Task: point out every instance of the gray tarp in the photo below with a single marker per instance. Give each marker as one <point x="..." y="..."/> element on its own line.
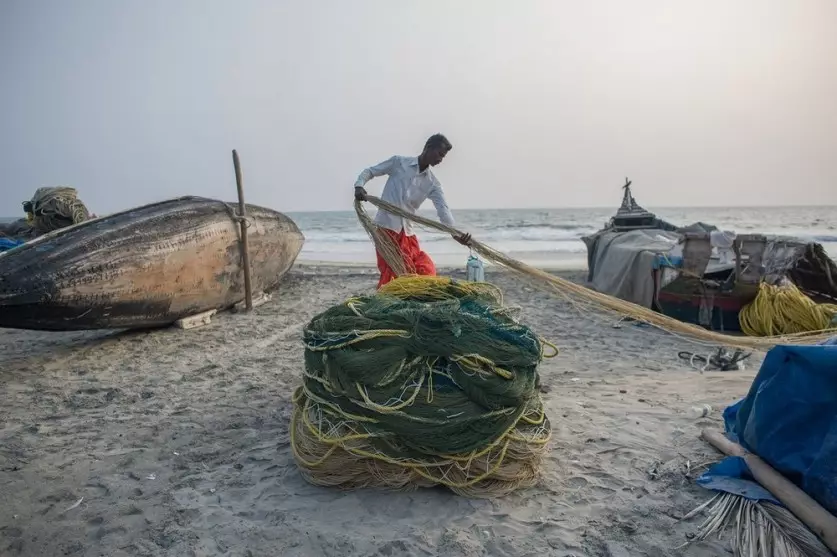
<point x="698" y="227"/>
<point x="19" y="229"/>
<point x="621" y="263"/>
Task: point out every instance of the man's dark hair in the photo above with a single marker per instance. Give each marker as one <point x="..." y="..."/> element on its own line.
<point x="438" y="141"/>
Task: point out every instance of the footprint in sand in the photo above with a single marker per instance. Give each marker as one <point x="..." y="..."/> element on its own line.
<point x="577" y="482"/>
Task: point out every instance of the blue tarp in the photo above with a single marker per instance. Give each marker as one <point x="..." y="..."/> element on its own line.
<point x="8" y="243"/>
<point x="789" y="419"/>
<point x="665" y="260"/>
<point x="733" y="476"/>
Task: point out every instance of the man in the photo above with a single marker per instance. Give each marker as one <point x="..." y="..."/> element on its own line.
<point x="410" y="183"/>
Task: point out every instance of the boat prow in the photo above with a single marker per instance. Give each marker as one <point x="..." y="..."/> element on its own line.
<point x="145" y="267"/>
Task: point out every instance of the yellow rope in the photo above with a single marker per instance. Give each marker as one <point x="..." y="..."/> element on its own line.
<point x="409" y="286"/>
<point x="368" y="335"/>
<point x="782" y="310"/>
<point x="302" y="411"/>
<point x="576" y="292"/>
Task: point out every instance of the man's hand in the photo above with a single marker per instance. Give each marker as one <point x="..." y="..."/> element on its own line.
<point x="360" y="194"/>
<point x="464" y="239"/>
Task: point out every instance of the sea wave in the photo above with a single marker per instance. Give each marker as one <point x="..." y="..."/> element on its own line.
<point x="539" y="234"/>
<point x="531" y="234"/>
<point x="585" y="228"/>
<point x="448" y="247"/>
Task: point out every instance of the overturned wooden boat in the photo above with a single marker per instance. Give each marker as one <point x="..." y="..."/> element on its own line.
<point x="145" y="267"/>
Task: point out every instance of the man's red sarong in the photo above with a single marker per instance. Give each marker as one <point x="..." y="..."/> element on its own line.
<point x="416" y="261"/>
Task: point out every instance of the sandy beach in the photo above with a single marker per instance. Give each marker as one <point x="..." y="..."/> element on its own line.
<point x="175" y="443"/>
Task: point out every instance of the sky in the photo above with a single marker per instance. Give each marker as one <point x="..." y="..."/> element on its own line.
<point x="548" y="103"/>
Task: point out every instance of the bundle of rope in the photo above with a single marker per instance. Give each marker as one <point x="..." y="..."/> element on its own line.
<point x="585" y="299"/>
<point x="428" y="382"/>
<point x="784" y="309"/>
<point x="56" y="208"/>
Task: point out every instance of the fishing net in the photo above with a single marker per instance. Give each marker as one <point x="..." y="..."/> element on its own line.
<point x="428" y="382"/>
<point x="56" y="208"/>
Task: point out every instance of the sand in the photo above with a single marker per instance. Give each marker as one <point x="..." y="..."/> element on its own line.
<point x="175" y="443"/>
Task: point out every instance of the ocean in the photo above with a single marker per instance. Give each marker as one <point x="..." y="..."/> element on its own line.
<point x="549" y="237"/>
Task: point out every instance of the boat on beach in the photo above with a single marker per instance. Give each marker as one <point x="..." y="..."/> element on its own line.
<point x="697" y="273"/>
<point x="145" y="267"/>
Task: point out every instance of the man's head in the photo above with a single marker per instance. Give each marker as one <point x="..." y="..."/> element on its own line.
<point x="435" y="149"/>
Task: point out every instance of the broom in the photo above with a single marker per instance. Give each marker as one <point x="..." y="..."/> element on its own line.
<point x="758" y="528"/>
<point x="761" y="528"/>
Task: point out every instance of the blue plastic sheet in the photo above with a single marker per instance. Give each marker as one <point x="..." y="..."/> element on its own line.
<point x="789" y="419"/>
<point x="733" y="476"/>
<point x="665" y="260"/>
<point x="8" y="243"/>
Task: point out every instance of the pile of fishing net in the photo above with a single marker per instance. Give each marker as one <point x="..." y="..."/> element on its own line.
<point x="428" y="382"/>
<point x="49" y="209"/>
<point x="56" y="208"/>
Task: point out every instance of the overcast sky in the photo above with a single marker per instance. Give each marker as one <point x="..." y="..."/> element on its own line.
<point x="548" y="103"/>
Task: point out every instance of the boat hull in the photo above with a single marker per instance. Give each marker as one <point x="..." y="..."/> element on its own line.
<point x="691" y="300"/>
<point x="721" y="315"/>
<point x="146" y="267"/>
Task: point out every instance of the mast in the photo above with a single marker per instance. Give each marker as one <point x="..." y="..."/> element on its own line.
<point x="630" y="214"/>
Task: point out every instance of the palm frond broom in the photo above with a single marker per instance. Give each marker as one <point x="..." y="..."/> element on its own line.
<point x="762" y="528"/>
<point x="758" y="528"/>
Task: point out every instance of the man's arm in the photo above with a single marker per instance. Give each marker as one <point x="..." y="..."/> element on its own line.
<point x="437" y="196"/>
<point x="372" y="172"/>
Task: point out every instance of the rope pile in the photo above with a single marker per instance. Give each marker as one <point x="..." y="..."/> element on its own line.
<point x="56" y="208"/>
<point x="428" y="382"/>
<point x="583" y="298"/>
<point x="783" y="310"/>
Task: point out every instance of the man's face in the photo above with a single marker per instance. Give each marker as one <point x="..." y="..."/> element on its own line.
<point x="435" y="156"/>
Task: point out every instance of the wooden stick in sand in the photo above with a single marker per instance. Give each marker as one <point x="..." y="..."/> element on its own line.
<point x="820" y="521"/>
<point x="245" y="250"/>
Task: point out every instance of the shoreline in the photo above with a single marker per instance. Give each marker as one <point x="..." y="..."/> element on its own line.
<point x="570" y="267"/>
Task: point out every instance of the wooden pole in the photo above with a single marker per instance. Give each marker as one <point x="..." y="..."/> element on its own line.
<point x="819" y="520"/>
<point x="245" y="250"/>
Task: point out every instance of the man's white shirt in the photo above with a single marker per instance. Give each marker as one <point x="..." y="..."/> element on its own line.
<point x="406" y="188"/>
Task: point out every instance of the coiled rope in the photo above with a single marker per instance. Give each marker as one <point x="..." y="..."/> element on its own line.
<point x="783" y="310"/>
<point x="585" y="298"/>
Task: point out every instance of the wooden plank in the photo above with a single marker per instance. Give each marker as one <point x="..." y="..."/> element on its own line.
<point x="259" y="300"/>
<point x="815" y="517"/>
<point x="195" y="321"/>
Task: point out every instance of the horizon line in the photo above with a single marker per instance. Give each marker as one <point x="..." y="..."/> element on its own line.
<point x="651" y="208"/>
